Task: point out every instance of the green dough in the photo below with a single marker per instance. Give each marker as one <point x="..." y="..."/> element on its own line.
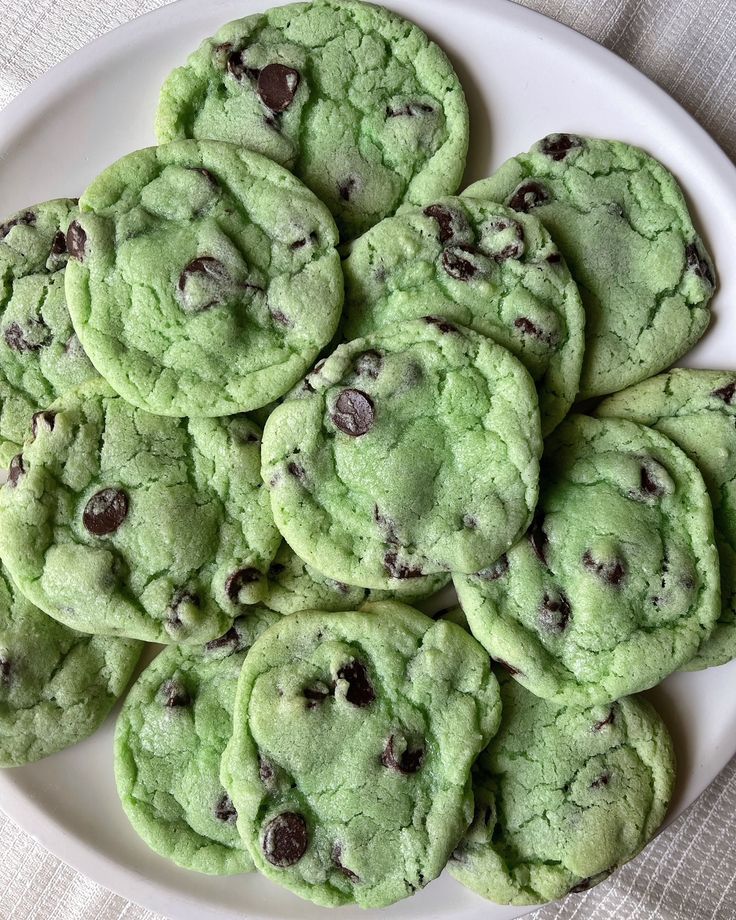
<point x="118" y="522"/>
<point x="40" y="356"/>
<point x="353" y="739"/>
<point x="203" y="279"/>
<point x="563" y="796"/>
<point x="293" y="585"/>
<point x="354" y="99"/>
<point x="616" y="583"/>
<point x="56" y="684"/>
<point x="409" y="452"/>
<point x="697" y="410"/>
<point x="482" y="265"/>
<point x="169" y="738"/>
<point x="622" y="224"/>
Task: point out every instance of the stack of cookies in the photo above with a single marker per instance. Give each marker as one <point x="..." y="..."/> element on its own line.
<point x="410" y="363"/>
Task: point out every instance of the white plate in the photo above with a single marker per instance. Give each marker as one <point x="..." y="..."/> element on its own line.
<point x="525" y="76"/>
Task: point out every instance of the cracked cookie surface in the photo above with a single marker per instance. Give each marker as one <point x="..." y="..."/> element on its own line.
<point x="353" y="739"/>
<point x="406" y="453"/>
<point x="294" y="585"/>
<point x="203" y="279"/>
<point x="125" y="523"/>
<point x="616" y="583"/>
<point x="169" y="738"/>
<point x="40" y="355"/>
<point x="354" y="99"/>
<point x="697" y="410"/>
<point x="623" y="226"/>
<point x="563" y="796"/>
<point x="485" y="266"/>
<point x="57" y="685"/>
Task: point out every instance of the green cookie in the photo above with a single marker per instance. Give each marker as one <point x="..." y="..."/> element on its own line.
<point x="357" y="101"/>
<point x="40" y="356"/>
<point x="56" y="685"/>
<point x="169" y="738"/>
<point x="118" y="522"/>
<point x="409" y="452"/>
<point x="353" y="739"/>
<point x="616" y="583"/>
<point x="622" y="224"/>
<point x="563" y="796"/>
<point x="203" y="279"/>
<point x="697" y="410"/>
<point x="482" y="265"/>
<point x="293" y="585"/>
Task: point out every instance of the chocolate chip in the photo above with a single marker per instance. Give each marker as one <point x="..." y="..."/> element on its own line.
<point x="698" y="263"/>
<point x="346" y="188"/>
<point x="76" y="240"/>
<point x="213" y="272"/>
<point x="601" y="781"/>
<point x="236" y="65"/>
<point x="499" y="568"/>
<point x="277" y="85"/>
<point x="360" y="690"/>
<point x="369" y="364"/>
<point x="231" y="640"/>
<point x="557" y="146"/>
<point x="337" y="860"/>
<point x="456" y="263"/>
<point x="317" y="694"/>
<point x="33" y="338"/>
<point x="649" y="485"/>
<point x="554" y="614"/>
<point x="442" y="324"/>
<point x="297" y="471"/>
<point x="265" y="771"/>
<point x="353" y="413"/>
<point x="225" y="810"/>
<point x="409" y="110"/>
<point x="727" y="393"/>
<point x="408" y="762"/>
<point x="181" y="598"/>
<point x="396" y="568"/>
<point x="554" y="258"/>
<point x="6" y="669"/>
<point x="528" y="195"/>
<point x="387" y="526"/>
<point x="504" y="227"/>
<point x="537" y="536"/>
<point x="285" y="839"/>
<point x="299" y="244"/>
<point x="105" y="511"/>
<point x="58" y="244"/>
<point x="611" y="572"/>
<point x="452" y="222"/>
<point x="509" y="668"/>
<point x="44" y="420"/>
<point x="276" y="569"/>
<point x="175" y="695"/>
<point x="16" y="470"/>
<point x="526" y="326"/>
<point x="238" y="580"/>
<point x="609" y="720"/>
<point x="28" y="218"/>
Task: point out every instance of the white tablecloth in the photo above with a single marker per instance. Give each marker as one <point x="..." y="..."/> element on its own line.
<point x="689" y="47"/>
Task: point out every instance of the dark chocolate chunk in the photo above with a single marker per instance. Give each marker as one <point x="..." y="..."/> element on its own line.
<point x="396" y="568"/>
<point x="16" y="470"/>
<point x="76" y="241"/>
<point x="727" y="393"/>
<point x="175" y="694"/>
<point x="225" y="810"/>
<point x="408" y="762"/>
<point x="554" y="614"/>
<point x="360" y="690"/>
<point x="42" y="420"/>
<point x="277" y="85"/>
<point x="35" y="335"/>
<point x="105" y="511"/>
<point x="557" y="146"/>
<point x="369" y="364"/>
<point x="285" y="839"/>
<point x="337" y="860"/>
<point x="528" y="195"/>
<point x="611" y="572"/>
<point x="442" y="324"/>
<point x="698" y="263"/>
<point x="238" y="580"/>
<point x="499" y="568"/>
<point x="353" y="412"/>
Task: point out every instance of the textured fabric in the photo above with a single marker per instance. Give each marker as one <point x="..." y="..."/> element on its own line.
<point x="689" y="48"/>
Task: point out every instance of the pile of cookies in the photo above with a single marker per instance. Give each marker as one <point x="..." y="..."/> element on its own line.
<point x="411" y="364"/>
